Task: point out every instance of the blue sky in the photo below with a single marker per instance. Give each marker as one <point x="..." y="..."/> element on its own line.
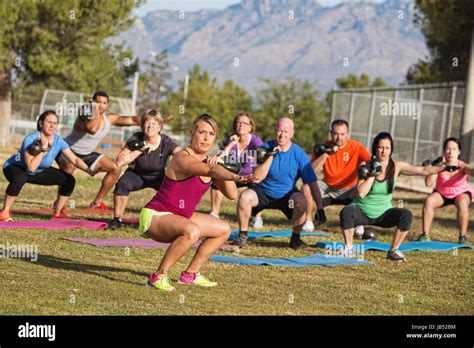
<point x="189" y="5"/>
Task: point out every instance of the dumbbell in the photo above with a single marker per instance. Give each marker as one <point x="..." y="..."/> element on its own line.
<point x="263" y="153"/>
<point x="35" y="148"/>
<point x="86" y="112"/>
<point x="133" y="145"/>
<point x="320" y="149"/>
<point x="371" y="168"/>
<point x="228" y="163"/>
<point x="436" y="162"/>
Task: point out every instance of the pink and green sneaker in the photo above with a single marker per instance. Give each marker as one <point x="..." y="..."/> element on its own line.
<point x="160" y="281"/>
<point x="195" y="279"/>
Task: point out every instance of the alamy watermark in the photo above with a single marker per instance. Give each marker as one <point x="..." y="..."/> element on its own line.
<point x="19" y="251"/>
<point x="401" y="109"/>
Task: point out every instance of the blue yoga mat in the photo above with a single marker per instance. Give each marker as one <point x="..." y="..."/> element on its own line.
<point x="305" y="261"/>
<point x="374" y="245"/>
<point x="275" y="234"/>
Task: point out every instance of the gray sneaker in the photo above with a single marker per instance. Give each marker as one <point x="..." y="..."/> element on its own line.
<point x="241" y="239"/>
<point x="462" y="239"/>
<point x="396" y="255"/>
<point x="423" y="238"/>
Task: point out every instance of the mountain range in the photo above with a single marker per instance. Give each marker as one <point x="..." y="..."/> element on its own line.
<point x="279" y="38"/>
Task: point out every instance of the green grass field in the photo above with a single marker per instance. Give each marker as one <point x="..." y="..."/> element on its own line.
<point x="77" y="279"/>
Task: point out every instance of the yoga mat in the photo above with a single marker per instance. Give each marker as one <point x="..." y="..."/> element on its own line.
<point x="134" y="242"/>
<point x="275" y="234"/>
<point x="305" y="261"/>
<point x="56" y="224"/>
<point x="48" y="212"/>
<point x="409" y="246"/>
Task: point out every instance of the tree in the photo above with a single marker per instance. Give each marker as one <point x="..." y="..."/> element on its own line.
<point x="61" y="45"/>
<point x="447" y="26"/>
<point x="154" y="84"/>
<point x="297" y="99"/>
<point x="205" y="95"/>
<point x="362" y="81"/>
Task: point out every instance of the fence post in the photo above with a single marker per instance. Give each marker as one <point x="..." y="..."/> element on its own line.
<point x="371" y="119"/>
<point x="351" y="110"/>
<point x="443" y="128"/>
<point x="333" y="108"/>
<point x="467" y="125"/>
<point x="392" y="117"/>
<point x="451" y="110"/>
<point x="417" y="132"/>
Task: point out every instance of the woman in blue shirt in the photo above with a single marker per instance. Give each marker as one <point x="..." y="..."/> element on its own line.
<point x="32" y="164"/>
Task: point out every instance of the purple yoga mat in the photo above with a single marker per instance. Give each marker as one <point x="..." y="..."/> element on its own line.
<point x="56" y="224"/>
<point x="134" y="242"/>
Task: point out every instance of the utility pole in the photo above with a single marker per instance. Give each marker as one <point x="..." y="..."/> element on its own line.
<point x="467" y="125"/>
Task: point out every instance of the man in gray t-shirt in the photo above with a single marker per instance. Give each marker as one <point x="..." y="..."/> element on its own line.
<point x="86" y="136"/>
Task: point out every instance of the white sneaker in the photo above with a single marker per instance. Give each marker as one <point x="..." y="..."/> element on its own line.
<point x="359" y="232"/>
<point x="308" y="226"/>
<point x="257" y="222"/>
<point x="214" y="215"/>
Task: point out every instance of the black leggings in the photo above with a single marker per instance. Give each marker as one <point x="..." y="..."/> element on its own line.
<point x="131" y="181"/>
<point x="352" y="216"/>
<point x="17" y="176"/>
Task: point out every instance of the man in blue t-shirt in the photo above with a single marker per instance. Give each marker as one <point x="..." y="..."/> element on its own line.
<point x="276" y="185"/>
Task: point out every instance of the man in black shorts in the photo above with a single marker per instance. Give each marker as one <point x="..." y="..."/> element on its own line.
<point x="276" y="185"/>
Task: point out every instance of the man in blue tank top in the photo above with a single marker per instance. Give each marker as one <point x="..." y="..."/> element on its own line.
<point x="86" y="136"/>
<point x="276" y="184"/>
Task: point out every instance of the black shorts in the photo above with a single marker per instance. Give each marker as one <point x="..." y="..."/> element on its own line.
<point x="214" y="187"/>
<point x="449" y="201"/>
<point x="90" y="159"/>
<point x="267" y="202"/>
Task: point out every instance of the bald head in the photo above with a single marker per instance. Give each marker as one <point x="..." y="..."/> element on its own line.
<point x="284" y="131"/>
<point x="285" y="122"/>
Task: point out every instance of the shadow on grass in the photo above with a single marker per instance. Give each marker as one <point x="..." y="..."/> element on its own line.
<point x="54" y="262"/>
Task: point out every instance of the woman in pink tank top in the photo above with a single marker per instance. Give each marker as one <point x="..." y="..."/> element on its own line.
<point x="451" y="188"/>
<point x="170" y="216"/>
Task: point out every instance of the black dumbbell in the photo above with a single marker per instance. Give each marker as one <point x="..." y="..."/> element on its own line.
<point x="86" y="112"/>
<point x="320" y="149"/>
<point x="35" y="148"/>
<point x="436" y="162"/>
<point x="263" y="153"/>
<point x="133" y="145"/>
<point x="229" y="163"/>
<point x="371" y="168"/>
<point x="451" y="168"/>
<point x="224" y="142"/>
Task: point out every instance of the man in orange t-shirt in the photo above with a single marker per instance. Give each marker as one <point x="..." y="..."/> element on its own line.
<point x="339" y="158"/>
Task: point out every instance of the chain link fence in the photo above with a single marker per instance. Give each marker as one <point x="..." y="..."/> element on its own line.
<point x="418" y="117"/>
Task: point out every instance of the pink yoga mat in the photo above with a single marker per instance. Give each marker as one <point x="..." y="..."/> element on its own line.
<point x="86" y="211"/>
<point x="56" y="224"/>
<point x="134" y="242"/>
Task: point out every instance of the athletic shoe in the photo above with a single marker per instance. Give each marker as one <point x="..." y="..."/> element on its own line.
<point x="100" y="205"/>
<point x="241" y="240"/>
<point x="396" y="255"/>
<point x="61" y="215"/>
<point x="308" y="226"/>
<point x="359" y="232"/>
<point x="296" y="242"/>
<point x="257" y="222"/>
<point x="6" y="216"/>
<point x="214" y="215"/>
<point x="115" y="223"/>
<point x="462" y="239"/>
<point x="423" y="238"/>
<point x="195" y="279"/>
<point x="160" y="281"/>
